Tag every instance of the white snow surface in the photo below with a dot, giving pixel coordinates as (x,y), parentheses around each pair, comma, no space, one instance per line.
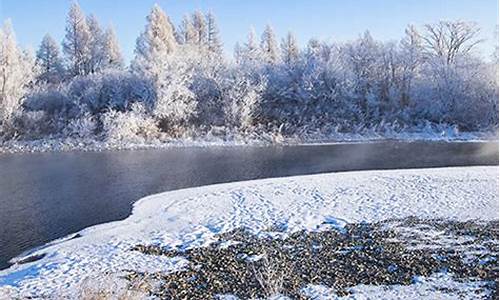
(192,217)
(437,286)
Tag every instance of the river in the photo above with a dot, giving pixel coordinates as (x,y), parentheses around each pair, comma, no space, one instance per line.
(45,196)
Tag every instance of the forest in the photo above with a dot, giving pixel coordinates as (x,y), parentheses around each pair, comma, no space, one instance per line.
(181,85)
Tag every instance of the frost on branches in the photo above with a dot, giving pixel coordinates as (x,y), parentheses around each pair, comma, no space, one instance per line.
(180,84)
(17,72)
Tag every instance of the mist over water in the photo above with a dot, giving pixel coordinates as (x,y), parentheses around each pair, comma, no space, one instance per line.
(45,196)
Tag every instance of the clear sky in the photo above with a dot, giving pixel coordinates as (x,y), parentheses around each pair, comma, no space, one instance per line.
(324,19)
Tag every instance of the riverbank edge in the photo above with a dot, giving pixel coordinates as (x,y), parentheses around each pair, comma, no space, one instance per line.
(94,145)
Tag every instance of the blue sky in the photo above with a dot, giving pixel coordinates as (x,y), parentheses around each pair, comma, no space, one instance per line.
(324,19)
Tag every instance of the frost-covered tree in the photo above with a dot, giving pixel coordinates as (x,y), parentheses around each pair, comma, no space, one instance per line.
(104,51)
(251,103)
(269,46)
(179,83)
(77,42)
(213,39)
(111,89)
(411,59)
(250,54)
(200,28)
(177,34)
(49,61)
(111,56)
(361,58)
(187,31)
(154,45)
(289,49)
(175,103)
(238,53)
(386,79)
(170,71)
(95,63)
(242,95)
(449,39)
(313,48)
(17,72)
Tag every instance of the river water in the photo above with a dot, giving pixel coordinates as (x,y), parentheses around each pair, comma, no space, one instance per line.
(45,196)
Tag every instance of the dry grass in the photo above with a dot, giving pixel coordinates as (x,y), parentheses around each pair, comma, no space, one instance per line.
(270,273)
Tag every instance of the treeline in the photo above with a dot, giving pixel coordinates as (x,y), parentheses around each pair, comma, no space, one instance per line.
(180,84)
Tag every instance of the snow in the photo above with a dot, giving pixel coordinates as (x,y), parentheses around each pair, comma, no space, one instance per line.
(192,217)
(437,286)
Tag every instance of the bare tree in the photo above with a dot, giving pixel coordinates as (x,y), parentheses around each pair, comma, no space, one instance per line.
(411,59)
(447,39)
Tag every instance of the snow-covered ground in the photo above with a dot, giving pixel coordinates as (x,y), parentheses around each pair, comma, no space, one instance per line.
(193,217)
(426,288)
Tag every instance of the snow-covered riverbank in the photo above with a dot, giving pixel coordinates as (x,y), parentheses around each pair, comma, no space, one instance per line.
(193,217)
(429,133)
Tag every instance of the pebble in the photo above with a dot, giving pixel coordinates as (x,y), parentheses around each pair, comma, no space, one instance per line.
(375,254)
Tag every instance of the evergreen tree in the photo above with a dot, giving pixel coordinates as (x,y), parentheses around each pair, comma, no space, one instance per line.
(154,45)
(238,53)
(289,49)
(49,61)
(170,72)
(200,28)
(176,33)
(77,42)
(96,59)
(214,42)
(269,46)
(313,48)
(112,57)
(250,52)
(187,31)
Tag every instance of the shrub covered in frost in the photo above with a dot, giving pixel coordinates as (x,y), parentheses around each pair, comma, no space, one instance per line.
(84,126)
(131,126)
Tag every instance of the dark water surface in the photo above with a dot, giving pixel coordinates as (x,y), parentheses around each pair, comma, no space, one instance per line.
(44,196)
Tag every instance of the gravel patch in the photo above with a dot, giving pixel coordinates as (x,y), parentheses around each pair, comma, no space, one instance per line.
(393,252)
